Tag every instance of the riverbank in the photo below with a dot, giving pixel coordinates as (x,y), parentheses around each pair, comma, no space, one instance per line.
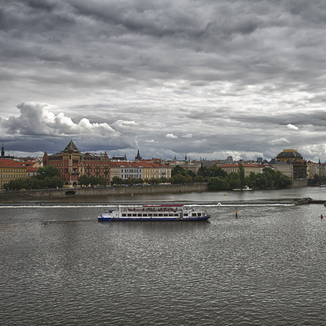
(12,196)
(112,191)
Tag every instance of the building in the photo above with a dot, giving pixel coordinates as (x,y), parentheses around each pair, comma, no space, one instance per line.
(314,169)
(248,168)
(289,154)
(11,170)
(299,165)
(191,166)
(285,167)
(72,164)
(31,171)
(139,170)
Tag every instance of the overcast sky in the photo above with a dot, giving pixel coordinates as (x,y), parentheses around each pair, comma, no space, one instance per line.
(203,78)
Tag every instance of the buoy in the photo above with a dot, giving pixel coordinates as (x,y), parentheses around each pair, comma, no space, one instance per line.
(132,194)
(321,216)
(225,194)
(236,214)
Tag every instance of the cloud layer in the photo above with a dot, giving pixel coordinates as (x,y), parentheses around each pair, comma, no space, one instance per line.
(203,78)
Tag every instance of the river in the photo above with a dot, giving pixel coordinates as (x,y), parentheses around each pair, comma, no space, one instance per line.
(59,266)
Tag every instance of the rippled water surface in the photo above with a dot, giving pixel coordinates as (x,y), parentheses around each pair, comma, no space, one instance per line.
(59,266)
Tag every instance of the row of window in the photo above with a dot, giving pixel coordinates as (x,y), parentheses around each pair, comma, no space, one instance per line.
(170,214)
(12,176)
(12,170)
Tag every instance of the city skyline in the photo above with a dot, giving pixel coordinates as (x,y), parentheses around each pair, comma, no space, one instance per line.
(206,79)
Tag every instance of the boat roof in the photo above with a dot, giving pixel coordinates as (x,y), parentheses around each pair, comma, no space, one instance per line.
(180,205)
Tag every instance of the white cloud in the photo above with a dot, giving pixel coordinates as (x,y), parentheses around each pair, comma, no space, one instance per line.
(187,136)
(125,123)
(151,141)
(36,119)
(292,127)
(171,136)
(279,141)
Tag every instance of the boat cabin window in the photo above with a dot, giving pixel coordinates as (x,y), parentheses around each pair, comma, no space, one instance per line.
(185,214)
(129,214)
(193,214)
(123,214)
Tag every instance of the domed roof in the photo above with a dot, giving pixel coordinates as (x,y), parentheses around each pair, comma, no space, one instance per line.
(289,154)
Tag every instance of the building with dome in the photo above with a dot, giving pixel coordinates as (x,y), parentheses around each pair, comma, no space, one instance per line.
(291,156)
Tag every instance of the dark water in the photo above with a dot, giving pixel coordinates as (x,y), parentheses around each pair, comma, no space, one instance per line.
(59,266)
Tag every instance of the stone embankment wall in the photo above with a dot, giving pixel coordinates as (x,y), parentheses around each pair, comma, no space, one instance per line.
(300,183)
(119,190)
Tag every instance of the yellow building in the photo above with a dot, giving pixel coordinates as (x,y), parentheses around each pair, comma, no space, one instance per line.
(141,170)
(11,170)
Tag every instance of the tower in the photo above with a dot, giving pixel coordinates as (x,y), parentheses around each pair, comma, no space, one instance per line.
(138,157)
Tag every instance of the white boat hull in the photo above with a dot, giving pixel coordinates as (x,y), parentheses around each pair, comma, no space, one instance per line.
(154,213)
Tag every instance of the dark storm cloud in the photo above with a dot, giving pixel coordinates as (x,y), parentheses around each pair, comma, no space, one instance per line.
(219,78)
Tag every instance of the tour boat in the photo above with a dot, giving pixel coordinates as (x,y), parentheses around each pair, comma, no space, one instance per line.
(155,213)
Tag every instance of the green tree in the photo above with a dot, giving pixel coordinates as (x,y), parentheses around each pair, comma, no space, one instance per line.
(116,181)
(178,170)
(199,178)
(217,183)
(234,180)
(282,181)
(252,180)
(241,175)
(270,177)
(48,171)
(83,180)
(261,181)
(203,171)
(179,179)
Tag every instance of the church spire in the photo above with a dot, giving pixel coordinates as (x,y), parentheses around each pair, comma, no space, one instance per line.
(138,157)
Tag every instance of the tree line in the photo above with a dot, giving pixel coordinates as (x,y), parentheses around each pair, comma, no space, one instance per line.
(218,179)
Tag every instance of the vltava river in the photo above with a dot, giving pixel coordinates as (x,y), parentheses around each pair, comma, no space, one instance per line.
(59,266)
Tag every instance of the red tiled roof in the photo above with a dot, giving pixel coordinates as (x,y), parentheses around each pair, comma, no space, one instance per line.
(6,163)
(31,169)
